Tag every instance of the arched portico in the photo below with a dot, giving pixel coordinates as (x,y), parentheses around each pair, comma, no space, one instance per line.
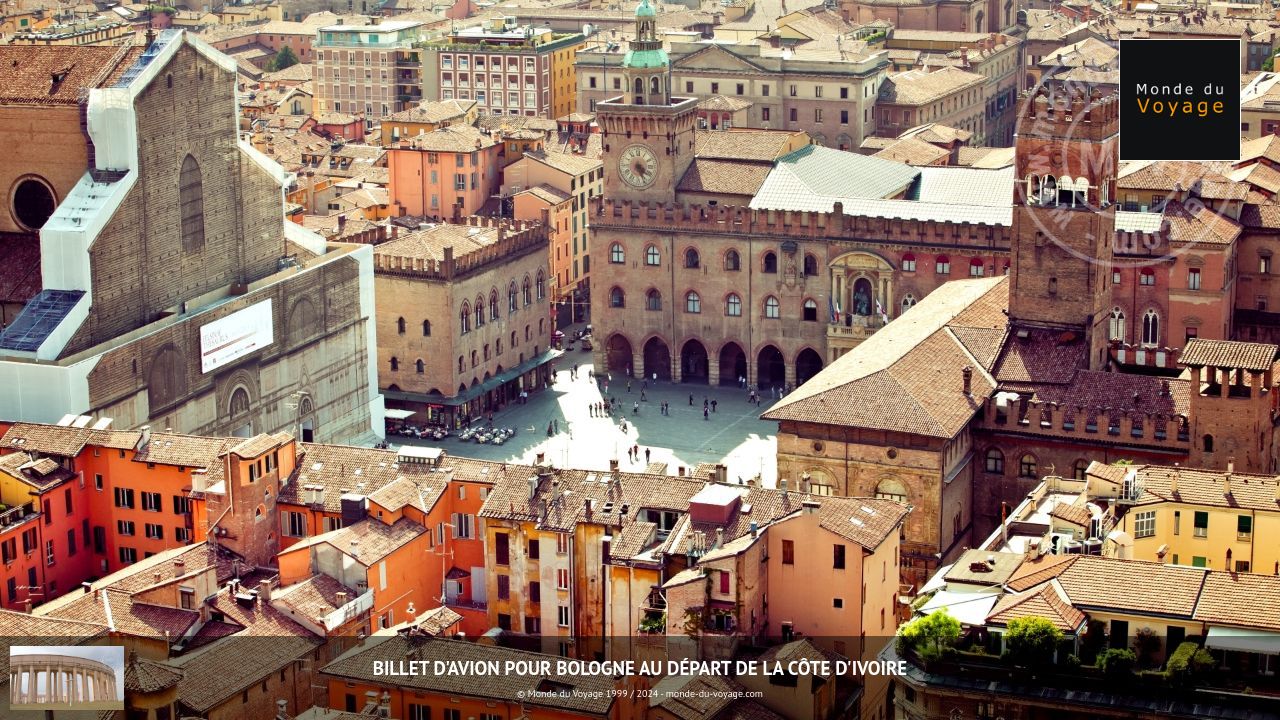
(859,281)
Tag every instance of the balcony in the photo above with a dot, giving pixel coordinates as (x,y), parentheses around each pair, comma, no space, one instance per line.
(17,514)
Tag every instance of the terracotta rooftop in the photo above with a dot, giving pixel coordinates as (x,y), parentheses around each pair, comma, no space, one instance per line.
(1208,179)
(55,74)
(919,87)
(1200,352)
(743,144)
(1045,602)
(906,377)
(1206,487)
(420,491)
(569,163)
(913,152)
(313,598)
(724,177)
(429,244)
(1246,600)
(433,112)
(372,540)
(146,676)
(456,138)
(547,194)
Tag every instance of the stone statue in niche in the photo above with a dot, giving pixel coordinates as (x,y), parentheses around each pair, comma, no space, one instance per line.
(862,301)
(789,276)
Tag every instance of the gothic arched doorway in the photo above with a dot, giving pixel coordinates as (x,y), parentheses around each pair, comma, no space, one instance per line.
(771,368)
(808,364)
(657,359)
(733,364)
(618,354)
(693,363)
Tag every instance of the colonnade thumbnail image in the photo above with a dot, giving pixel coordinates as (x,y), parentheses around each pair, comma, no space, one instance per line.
(85,677)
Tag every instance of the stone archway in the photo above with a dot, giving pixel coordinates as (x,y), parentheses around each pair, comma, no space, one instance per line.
(657,359)
(733,363)
(808,364)
(694,367)
(618,354)
(771,368)
(868,272)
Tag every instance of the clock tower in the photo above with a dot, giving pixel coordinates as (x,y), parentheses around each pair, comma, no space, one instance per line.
(647,134)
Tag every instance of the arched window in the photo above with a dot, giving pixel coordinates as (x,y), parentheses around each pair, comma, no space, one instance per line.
(497,349)
(655,86)
(1117,324)
(464,318)
(400,325)
(426,328)
(191,198)
(1147,276)
(942,265)
(462,363)
(540,286)
(1151,328)
(652,256)
(395,363)
(240,400)
(1208,443)
(493,305)
(733,305)
(528,335)
(977,268)
(908,262)
(475,358)
(422,367)
(691,258)
(892,489)
(617,298)
(511,297)
(639,86)
(995,461)
(771,307)
(616,255)
(526,292)
(653,300)
(908,301)
(479,308)
(770,262)
(692,303)
(810,265)
(732,261)
(1080,469)
(810,313)
(1027,466)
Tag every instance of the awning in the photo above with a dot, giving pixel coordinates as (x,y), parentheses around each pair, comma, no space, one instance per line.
(478,389)
(1252,641)
(936,582)
(969,608)
(395,414)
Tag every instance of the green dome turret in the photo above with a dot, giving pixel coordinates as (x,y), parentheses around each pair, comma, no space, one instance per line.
(644,9)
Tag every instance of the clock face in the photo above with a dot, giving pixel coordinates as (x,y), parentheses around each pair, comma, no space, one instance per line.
(638,166)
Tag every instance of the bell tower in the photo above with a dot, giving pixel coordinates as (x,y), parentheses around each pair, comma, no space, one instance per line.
(1067,154)
(647,133)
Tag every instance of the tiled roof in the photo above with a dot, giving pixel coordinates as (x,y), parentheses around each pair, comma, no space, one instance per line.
(742,144)
(299,72)
(430,244)
(435,622)
(723,103)
(452,138)
(1198,224)
(913,152)
(145,676)
(313,598)
(1074,514)
(1259,175)
(974,567)
(1206,487)
(371,540)
(695,697)
(905,377)
(257,445)
(183,450)
(1033,572)
(569,163)
(47,439)
(920,87)
(1201,352)
(39,474)
(1208,180)
(938,133)
(433,112)
(1118,393)
(547,194)
(1246,600)
(18,628)
(593,696)
(1261,216)
(1044,603)
(1267,146)
(225,669)
(1105,583)
(420,491)
(30,71)
(726,177)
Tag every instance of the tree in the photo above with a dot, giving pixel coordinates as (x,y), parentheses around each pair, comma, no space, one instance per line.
(1117,663)
(1032,641)
(937,631)
(283,59)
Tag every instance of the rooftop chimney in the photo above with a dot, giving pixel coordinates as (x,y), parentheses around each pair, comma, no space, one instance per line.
(282,709)
(1226,479)
(144,439)
(810,506)
(967,374)
(1173,479)
(719,537)
(782,485)
(264,590)
(340,598)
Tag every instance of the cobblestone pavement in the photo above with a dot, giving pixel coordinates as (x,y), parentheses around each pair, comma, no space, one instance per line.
(733,434)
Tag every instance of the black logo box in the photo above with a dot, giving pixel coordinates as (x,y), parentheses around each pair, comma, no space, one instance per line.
(1190,65)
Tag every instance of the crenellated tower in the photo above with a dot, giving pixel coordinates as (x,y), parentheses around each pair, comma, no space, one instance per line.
(1067,154)
(648,135)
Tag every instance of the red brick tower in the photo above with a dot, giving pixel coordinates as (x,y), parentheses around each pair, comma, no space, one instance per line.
(1063,218)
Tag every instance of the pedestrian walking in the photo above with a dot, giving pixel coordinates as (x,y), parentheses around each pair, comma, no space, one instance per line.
(690,399)
(655,378)
(628,386)
(642,397)
(635,410)
(646,456)
(713,406)
(705,415)
(705,404)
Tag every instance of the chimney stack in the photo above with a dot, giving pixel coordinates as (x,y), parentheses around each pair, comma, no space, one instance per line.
(1226,479)
(282,709)
(340,598)
(144,439)
(967,374)
(1173,480)
(719,537)
(264,590)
